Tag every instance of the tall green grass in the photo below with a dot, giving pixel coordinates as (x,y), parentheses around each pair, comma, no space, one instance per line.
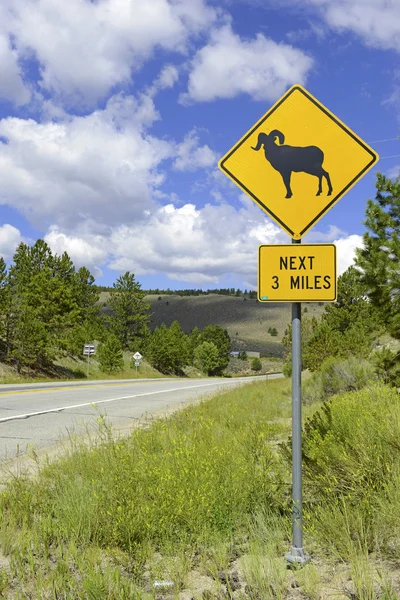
(351,464)
(206,485)
(193,477)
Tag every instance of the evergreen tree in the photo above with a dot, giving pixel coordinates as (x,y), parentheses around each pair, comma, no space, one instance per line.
(206,358)
(379,259)
(220,338)
(193,340)
(88,326)
(4,304)
(347,327)
(130,312)
(167,349)
(110,355)
(256,364)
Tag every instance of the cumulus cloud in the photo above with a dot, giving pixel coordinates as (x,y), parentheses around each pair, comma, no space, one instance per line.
(191,156)
(229,65)
(375,22)
(100,168)
(198,246)
(12,86)
(167,78)
(346,251)
(10,237)
(85,48)
(90,252)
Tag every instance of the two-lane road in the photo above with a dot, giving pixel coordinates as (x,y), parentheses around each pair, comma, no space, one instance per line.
(40,415)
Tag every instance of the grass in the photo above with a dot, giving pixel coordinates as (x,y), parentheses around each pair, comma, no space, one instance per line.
(75,369)
(202,499)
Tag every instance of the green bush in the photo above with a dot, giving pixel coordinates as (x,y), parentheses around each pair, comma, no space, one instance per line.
(287,368)
(256,364)
(110,355)
(351,461)
(337,376)
(387,366)
(206,357)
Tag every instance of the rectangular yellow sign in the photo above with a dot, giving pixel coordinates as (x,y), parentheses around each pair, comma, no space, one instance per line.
(297,273)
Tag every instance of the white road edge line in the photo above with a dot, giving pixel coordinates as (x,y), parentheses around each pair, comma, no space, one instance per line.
(54,410)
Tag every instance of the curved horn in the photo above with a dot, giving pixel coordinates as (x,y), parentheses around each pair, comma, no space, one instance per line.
(262,138)
(276,133)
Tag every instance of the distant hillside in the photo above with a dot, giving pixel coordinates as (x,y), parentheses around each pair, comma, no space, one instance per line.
(247,321)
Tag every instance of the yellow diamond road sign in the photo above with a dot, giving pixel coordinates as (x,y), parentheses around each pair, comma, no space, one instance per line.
(297,161)
(297,273)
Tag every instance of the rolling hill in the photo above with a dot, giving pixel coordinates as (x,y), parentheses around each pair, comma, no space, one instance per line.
(246,320)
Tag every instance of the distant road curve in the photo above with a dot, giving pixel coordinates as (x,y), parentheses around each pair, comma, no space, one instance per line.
(41,414)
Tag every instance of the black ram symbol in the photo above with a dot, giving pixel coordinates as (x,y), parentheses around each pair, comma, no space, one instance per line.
(287,159)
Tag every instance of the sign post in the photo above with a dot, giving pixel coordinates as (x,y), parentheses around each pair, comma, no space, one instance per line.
(296,554)
(88,350)
(296,162)
(137,356)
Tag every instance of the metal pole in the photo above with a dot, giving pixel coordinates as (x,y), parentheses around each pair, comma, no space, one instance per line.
(296,554)
(88,363)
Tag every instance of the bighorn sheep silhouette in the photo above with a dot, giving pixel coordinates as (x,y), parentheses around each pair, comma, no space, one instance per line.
(287,159)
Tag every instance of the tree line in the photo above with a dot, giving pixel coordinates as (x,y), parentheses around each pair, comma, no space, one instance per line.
(252,295)
(49,309)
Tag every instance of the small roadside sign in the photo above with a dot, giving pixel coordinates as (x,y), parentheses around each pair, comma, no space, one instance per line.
(89,349)
(297,161)
(297,273)
(137,356)
(137,363)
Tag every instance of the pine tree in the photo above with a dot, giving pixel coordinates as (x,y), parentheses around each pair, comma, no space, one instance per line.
(380,257)
(167,349)
(206,358)
(110,355)
(130,312)
(220,338)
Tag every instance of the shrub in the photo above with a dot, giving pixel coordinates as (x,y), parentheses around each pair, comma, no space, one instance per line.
(351,459)
(274,331)
(387,366)
(242,355)
(206,357)
(337,376)
(110,355)
(287,368)
(256,364)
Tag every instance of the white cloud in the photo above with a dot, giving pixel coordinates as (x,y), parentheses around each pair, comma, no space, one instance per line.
(191,156)
(12,86)
(228,66)
(90,252)
(346,251)
(394,172)
(85,48)
(375,22)
(10,237)
(99,169)
(165,80)
(198,246)
(195,245)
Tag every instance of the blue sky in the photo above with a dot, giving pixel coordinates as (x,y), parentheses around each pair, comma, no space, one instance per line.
(114,114)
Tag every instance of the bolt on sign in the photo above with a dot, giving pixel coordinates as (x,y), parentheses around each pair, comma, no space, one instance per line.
(297,273)
(297,161)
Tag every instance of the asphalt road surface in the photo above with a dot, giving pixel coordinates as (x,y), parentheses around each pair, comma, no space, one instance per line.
(41,415)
